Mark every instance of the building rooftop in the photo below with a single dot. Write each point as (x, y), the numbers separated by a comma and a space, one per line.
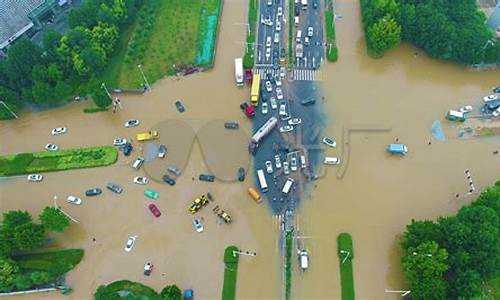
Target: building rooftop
(494, 19)
(14, 20)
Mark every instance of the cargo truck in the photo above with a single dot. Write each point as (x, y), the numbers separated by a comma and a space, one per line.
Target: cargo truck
(255, 90)
(146, 136)
(238, 71)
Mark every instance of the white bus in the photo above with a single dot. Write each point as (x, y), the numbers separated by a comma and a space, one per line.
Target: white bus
(262, 180)
(238, 71)
(287, 186)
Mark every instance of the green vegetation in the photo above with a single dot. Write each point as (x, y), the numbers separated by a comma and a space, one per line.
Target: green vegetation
(452, 257)
(230, 272)
(248, 58)
(171, 292)
(449, 30)
(288, 264)
(331, 50)
(67, 64)
(125, 289)
(169, 38)
(346, 254)
(18, 234)
(47, 161)
(92, 110)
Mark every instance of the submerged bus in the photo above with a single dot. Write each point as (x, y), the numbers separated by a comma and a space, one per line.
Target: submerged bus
(255, 90)
(262, 180)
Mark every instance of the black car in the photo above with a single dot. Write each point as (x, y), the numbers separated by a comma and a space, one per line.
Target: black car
(308, 101)
(205, 177)
(180, 107)
(496, 90)
(492, 105)
(231, 125)
(297, 10)
(114, 187)
(93, 192)
(241, 174)
(263, 96)
(276, 63)
(168, 179)
(127, 149)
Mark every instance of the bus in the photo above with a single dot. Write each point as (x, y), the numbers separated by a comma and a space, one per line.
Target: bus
(262, 180)
(255, 90)
(287, 186)
(238, 71)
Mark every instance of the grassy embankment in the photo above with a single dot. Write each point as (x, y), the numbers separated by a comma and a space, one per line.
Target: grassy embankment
(346, 254)
(167, 36)
(230, 272)
(288, 264)
(126, 289)
(248, 58)
(57, 262)
(47, 161)
(331, 50)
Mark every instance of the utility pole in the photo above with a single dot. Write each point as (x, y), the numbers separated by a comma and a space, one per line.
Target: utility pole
(103, 85)
(10, 110)
(65, 213)
(403, 293)
(247, 253)
(144, 77)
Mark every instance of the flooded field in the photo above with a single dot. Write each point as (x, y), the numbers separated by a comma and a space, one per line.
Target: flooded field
(377, 196)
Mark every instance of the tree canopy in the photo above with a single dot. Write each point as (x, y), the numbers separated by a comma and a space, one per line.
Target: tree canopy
(54, 219)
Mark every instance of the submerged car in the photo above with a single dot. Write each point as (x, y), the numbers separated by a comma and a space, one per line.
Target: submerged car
(490, 98)
(130, 243)
(93, 192)
(331, 160)
(168, 180)
(119, 142)
(151, 194)
(131, 123)
(294, 121)
(399, 149)
(286, 128)
(35, 177)
(154, 210)
(74, 200)
(114, 187)
(329, 142)
(58, 130)
(465, 109)
(141, 180)
(180, 106)
(51, 147)
(206, 177)
(174, 170)
(198, 225)
(308, 101)
(293, 163)
(241, 174)
(162, 151)
(231, 125)
(127, 149)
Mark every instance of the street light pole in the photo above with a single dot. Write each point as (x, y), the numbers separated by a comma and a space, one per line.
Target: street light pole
(144, 77)
(10, 110)
(103, 85)
(244, 253)
(347, 255)
(65, 213)
(403, 293)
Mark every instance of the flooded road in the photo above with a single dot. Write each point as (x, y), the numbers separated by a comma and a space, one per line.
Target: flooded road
(376, 198)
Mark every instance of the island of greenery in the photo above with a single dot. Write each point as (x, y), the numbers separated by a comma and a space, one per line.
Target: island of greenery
(456, 257)
(450, 30)
(19, 235)
(130, 290)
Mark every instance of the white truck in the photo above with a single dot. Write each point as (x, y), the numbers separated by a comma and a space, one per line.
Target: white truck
(299, 51)
(238, 71)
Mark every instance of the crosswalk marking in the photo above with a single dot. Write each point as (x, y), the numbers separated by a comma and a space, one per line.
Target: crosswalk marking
(297, 74)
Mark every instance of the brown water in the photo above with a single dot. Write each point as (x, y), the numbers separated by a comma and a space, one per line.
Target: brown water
(376, 198)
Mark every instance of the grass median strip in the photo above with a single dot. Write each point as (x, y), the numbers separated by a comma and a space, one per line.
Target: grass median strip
(288, 264)
(248, 58)
(48, 161)
(331, 47)
(346, 254)
(231, 260)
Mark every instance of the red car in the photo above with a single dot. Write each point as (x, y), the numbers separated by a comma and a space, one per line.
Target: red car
(154, 210)
(248, 110)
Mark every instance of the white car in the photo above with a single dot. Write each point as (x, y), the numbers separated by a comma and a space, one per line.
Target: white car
(35, 177)
(465, 109)
(303, 164)
(131, 123)
(264, 108)
(141, 180)
(198, 225)
(310, 31)
(119, 142)
(269, 86)
(331, 160)
(269, 2)
(58, 130)
(496, 113)
(279, 93)
(286, 169)
(273, 102)
(280, 11)
(282, 111)
(130, 243)
(293, 163)
(276, 38)
(286, 128)
(268, 53)
(269, 166)
(268, 41)
(278, 81)
(294, 121)
(74, 200)
(282, 72)
(490, 98)
(277, 161)
(329, 142)
(51, 147)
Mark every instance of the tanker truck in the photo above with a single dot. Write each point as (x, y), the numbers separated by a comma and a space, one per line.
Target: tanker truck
(263, 131)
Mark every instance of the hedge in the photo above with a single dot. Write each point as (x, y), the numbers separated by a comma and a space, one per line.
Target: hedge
(126, 289)
(230, 272)
(57, 262)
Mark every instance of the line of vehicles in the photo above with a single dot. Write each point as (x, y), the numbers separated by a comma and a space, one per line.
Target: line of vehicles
(490, 108)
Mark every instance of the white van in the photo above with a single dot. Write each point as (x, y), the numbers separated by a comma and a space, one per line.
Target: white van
(297, 20)
(331, 160)
(303, 161)
(288, 185)
(276, 38)
(138, 163)
(299, 36)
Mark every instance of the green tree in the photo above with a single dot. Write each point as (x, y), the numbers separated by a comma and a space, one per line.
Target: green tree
(418, 232)
(8, 273)
(384, 35)
(14, 218)
(104, 36)
(40, 277)
(28, 236)
(53, 219)
(171, 292)
(23, 281)
(6, 241)
(424, 267)
(101, 98)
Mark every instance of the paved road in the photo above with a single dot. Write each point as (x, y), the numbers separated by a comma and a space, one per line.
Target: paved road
(313, 50)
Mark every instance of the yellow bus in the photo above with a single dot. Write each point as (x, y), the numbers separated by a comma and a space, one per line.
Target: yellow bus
(255, 90)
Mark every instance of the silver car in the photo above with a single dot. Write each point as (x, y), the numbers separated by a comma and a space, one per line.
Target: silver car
(293, 163)
(273, 102)
(286, 128)
(279, 93)
(269, 166)
(286, 169)
(277, 161)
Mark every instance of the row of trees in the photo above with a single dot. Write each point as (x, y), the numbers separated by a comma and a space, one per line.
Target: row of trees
(136, 290)
(19, 234)
(65, 64)
(450, 258)
(451, 30)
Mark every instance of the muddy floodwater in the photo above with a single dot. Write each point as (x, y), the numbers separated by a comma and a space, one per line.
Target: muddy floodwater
(373, 200)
